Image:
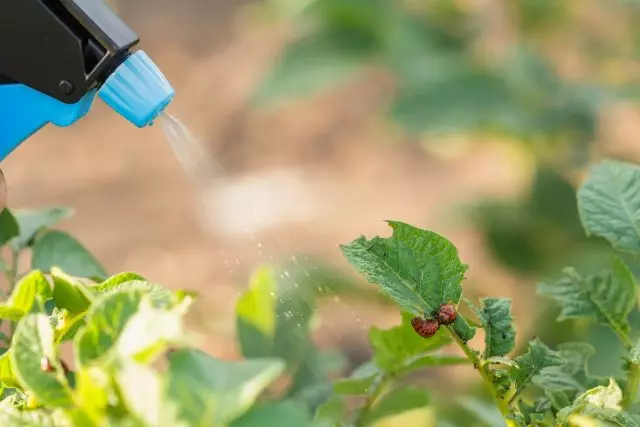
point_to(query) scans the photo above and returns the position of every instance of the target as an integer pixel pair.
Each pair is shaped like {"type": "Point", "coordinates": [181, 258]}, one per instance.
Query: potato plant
{"type": "Point", "coordinates": [85, 348]}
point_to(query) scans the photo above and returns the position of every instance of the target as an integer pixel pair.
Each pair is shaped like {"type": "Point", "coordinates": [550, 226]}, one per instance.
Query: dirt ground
{"type": "Point", "coordinates": [300, 179]}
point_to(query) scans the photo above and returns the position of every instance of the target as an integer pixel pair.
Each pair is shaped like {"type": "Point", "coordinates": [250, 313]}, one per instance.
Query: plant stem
{"type": "Point", "coordinates": [372, 399]}
{"type": "Point", "coordinates": [479, 364]}
{"type": "Point", "coordinates": [631, 388]}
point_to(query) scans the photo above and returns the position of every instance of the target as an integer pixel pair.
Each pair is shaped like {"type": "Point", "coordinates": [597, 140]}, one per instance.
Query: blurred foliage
{"type": "Point", "coordinates": [497, 68]}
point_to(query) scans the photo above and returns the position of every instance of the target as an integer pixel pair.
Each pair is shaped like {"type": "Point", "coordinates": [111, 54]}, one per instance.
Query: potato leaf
{"type": "Point", "coordinates": [537, 357]}
{"type": "Point", "coordinates": [497, 323]}
{"type": "Point", "coordinates": [418, 269]}
{"type": "Point", "coordinates": [606, 298]}
{"type": "Point", "coordinates": [609, 204]}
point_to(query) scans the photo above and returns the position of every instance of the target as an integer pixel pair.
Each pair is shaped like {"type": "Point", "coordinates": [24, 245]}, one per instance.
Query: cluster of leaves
{"type": "Point", "coordinates": [419, 270]}
{"type": "Point", "coordinates": [132, 363]}
{"type": "Point", "coordinates": [443, 83]}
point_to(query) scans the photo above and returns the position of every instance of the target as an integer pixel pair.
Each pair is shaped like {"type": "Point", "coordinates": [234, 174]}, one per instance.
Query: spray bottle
{"type": "Point", "coordinates": [57, 55]}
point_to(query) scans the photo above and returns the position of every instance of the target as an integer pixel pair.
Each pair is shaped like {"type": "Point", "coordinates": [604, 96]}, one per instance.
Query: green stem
{"type": "Point", "coordinates": [372, 399]}
{"type": "Point", "coordinates": [478, 363]}
{"type": "Point", "coordinates": [631, 388]}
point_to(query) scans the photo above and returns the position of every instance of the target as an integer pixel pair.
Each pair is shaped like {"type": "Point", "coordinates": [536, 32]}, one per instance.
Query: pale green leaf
{"type": "Point", "coordinates": [8, 226]}
{"type": "Point", "coordinates": [397, 402]}
{"type": "Point", "coordinates": [30, 287]}
{"type": "Point", "coordinates": [33, 341]}
{"type": "Point", "coordinates": [7, 376]}
{"type": "Point", "coordinates": [92, 392]}
{"type": "Point", "coordinates": [13, 417]}
{"type": "Point", "coordinates": [498, 326]}
{"type": "Point", "coordinates": [105, 321]}
{"type": "Point", "coordinates": [609, 204]}
{"type": "Point", "coordinates": [158, 294]}
{"type": "Point", "coordinates": [485, 412]}
{"type": "Point", "coordinates": [602, 401]}
{"type": "Point", "coordinates": [433, 361]}
{"type": "Point", "coordinates": [143, 393]}
{"type": "Point", "coordinates": [418, 269]}
{"type": "Point", "coordinates": [113, 282]}
{"type": "Point", "coordinates": [399, 345]}
{"type": "Point", "coordinates": [537, 357]}
{"type": "Point", "coordinates": [33, 221]}
{"type": "Point", "coordinates": [59, 249]}
{"type": "Point", "coordinates": [572, 375]}
{"type": "Point", "coordinates": [213, 392]}
{"type": "Point", "coordinates": [606, 298]}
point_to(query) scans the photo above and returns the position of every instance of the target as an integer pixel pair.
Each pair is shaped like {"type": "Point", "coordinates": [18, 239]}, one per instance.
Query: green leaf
{"type": "Point", "coordinates": [537, 357]}
{"type": "Point", "coordinates": [69, 293]}
{"type": "Point", "coordinates": [105, 320]}
{"type": "Point", "coordinates": [13, 417]}
{"type": "Point", "coordinates": [330, 413]}
{"type": "Point", "coordinates": [463, 329]}
{"type": "Point", "coordinates": [150, 331]}
{"type": "Point", "coordinates": [32, 221]}
{"type": "Point", "coordinates": [10, 313]}
{"type": "Point", "coordinates": [310, 64]}
{"type": "Point", "coordinates": [572, 375]}
{"type": "Point", "coordinates": [360, 380]}
{"type": "Point", "coordinates": [92, 392]}
{"type": "Point", "coordinates": [418, 269]}
{"type": "Point", "coordinates": [606, 298]}
{"type": "Point", "coordinates": [32, 286]}
{"type": "Point", "coordinates": [601, 402]}
{"type": "Point", "coordinates": [59, 249]}
{"type": "Point", "coordinates": [397, 402]}
{"type": "Point", "coordinates": [399, 345]}
{"type": "Point", "coordinates": [497, 323]}
{"type": "Point", "coordinates": [609, 204]}
{"type": "Point", "coordinates": [8, 227]}
{"type": "Point", "coordinates": [143, 393]}
{"type": "Point", "coordinates": [212, 392]}
{"type": "Point", "coordinates": [33, 341]}
{"type": "Point", "coordinates": [7, 376]}
{"type": "Point", "coordinates": [433, 361]}
{"type": "Point", "coordinates": [256, 314]}
{"type": "Point", "coordinates": [114, 282]}
{"type": "Point", "coordinates": [281, 414]}
{"type": "Point", "coordinates": [160, 295]}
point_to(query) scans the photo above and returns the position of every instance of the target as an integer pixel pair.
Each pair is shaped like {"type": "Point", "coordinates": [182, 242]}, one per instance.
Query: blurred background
{"type": "Point", "coordinates": [472, 118]}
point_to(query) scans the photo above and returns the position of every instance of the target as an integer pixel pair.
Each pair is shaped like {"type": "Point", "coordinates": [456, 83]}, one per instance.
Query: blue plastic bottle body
{"type": "Point", "coordinates": [24, 111]}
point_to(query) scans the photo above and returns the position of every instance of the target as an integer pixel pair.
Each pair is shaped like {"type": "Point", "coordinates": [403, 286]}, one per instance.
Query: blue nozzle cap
{"type": "Point", "coordinates": [137, 90]}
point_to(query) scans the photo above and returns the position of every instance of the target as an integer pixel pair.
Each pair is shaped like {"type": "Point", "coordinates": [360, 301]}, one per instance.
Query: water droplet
{"type": "Point", "coordinates": [286, 273]}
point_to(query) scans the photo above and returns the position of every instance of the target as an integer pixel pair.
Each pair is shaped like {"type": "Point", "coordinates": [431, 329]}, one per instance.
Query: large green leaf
{"type": "Point", "coordinates": [33, 341]}
{"type": "Point", "coordinates": [418, 269]}
{"type": "Point", "coordinates": [213, 392]}
{"type": "Point", "coordinates": [7, 375]}
{"type": "Point", "coordinates": [606, 298]}
{"type": "Point", "coordinates": [70, 293]}
{"type": "Point", "coordinates": [530, 364]}
{"type": "Point", "coordinates": [59, 249]}
{"type": "Point", "coordinates": [609, 204]}
{"type": "Point", "coordinates": [8, 227]}
{"type": "Point", "coordinates": [33, 221]}
{"type": "Point", "coordinates": [397, 347]}
{"type": "Point", "coordinates": [497, 323]}
{"type": "Point", "coordinates": [360, 380]}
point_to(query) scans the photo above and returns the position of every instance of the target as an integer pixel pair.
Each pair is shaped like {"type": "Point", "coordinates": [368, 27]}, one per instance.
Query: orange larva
{"type": "Point", "coordinates": [426, 328]}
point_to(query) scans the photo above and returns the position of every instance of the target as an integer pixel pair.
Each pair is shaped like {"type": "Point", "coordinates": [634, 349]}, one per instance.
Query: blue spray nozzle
{"type": "Point", "coordinates": [137, 90]}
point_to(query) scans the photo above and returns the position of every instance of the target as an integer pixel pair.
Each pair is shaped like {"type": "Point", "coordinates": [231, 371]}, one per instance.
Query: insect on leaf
{"type": "Point", "coordinates": [418, 269]}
